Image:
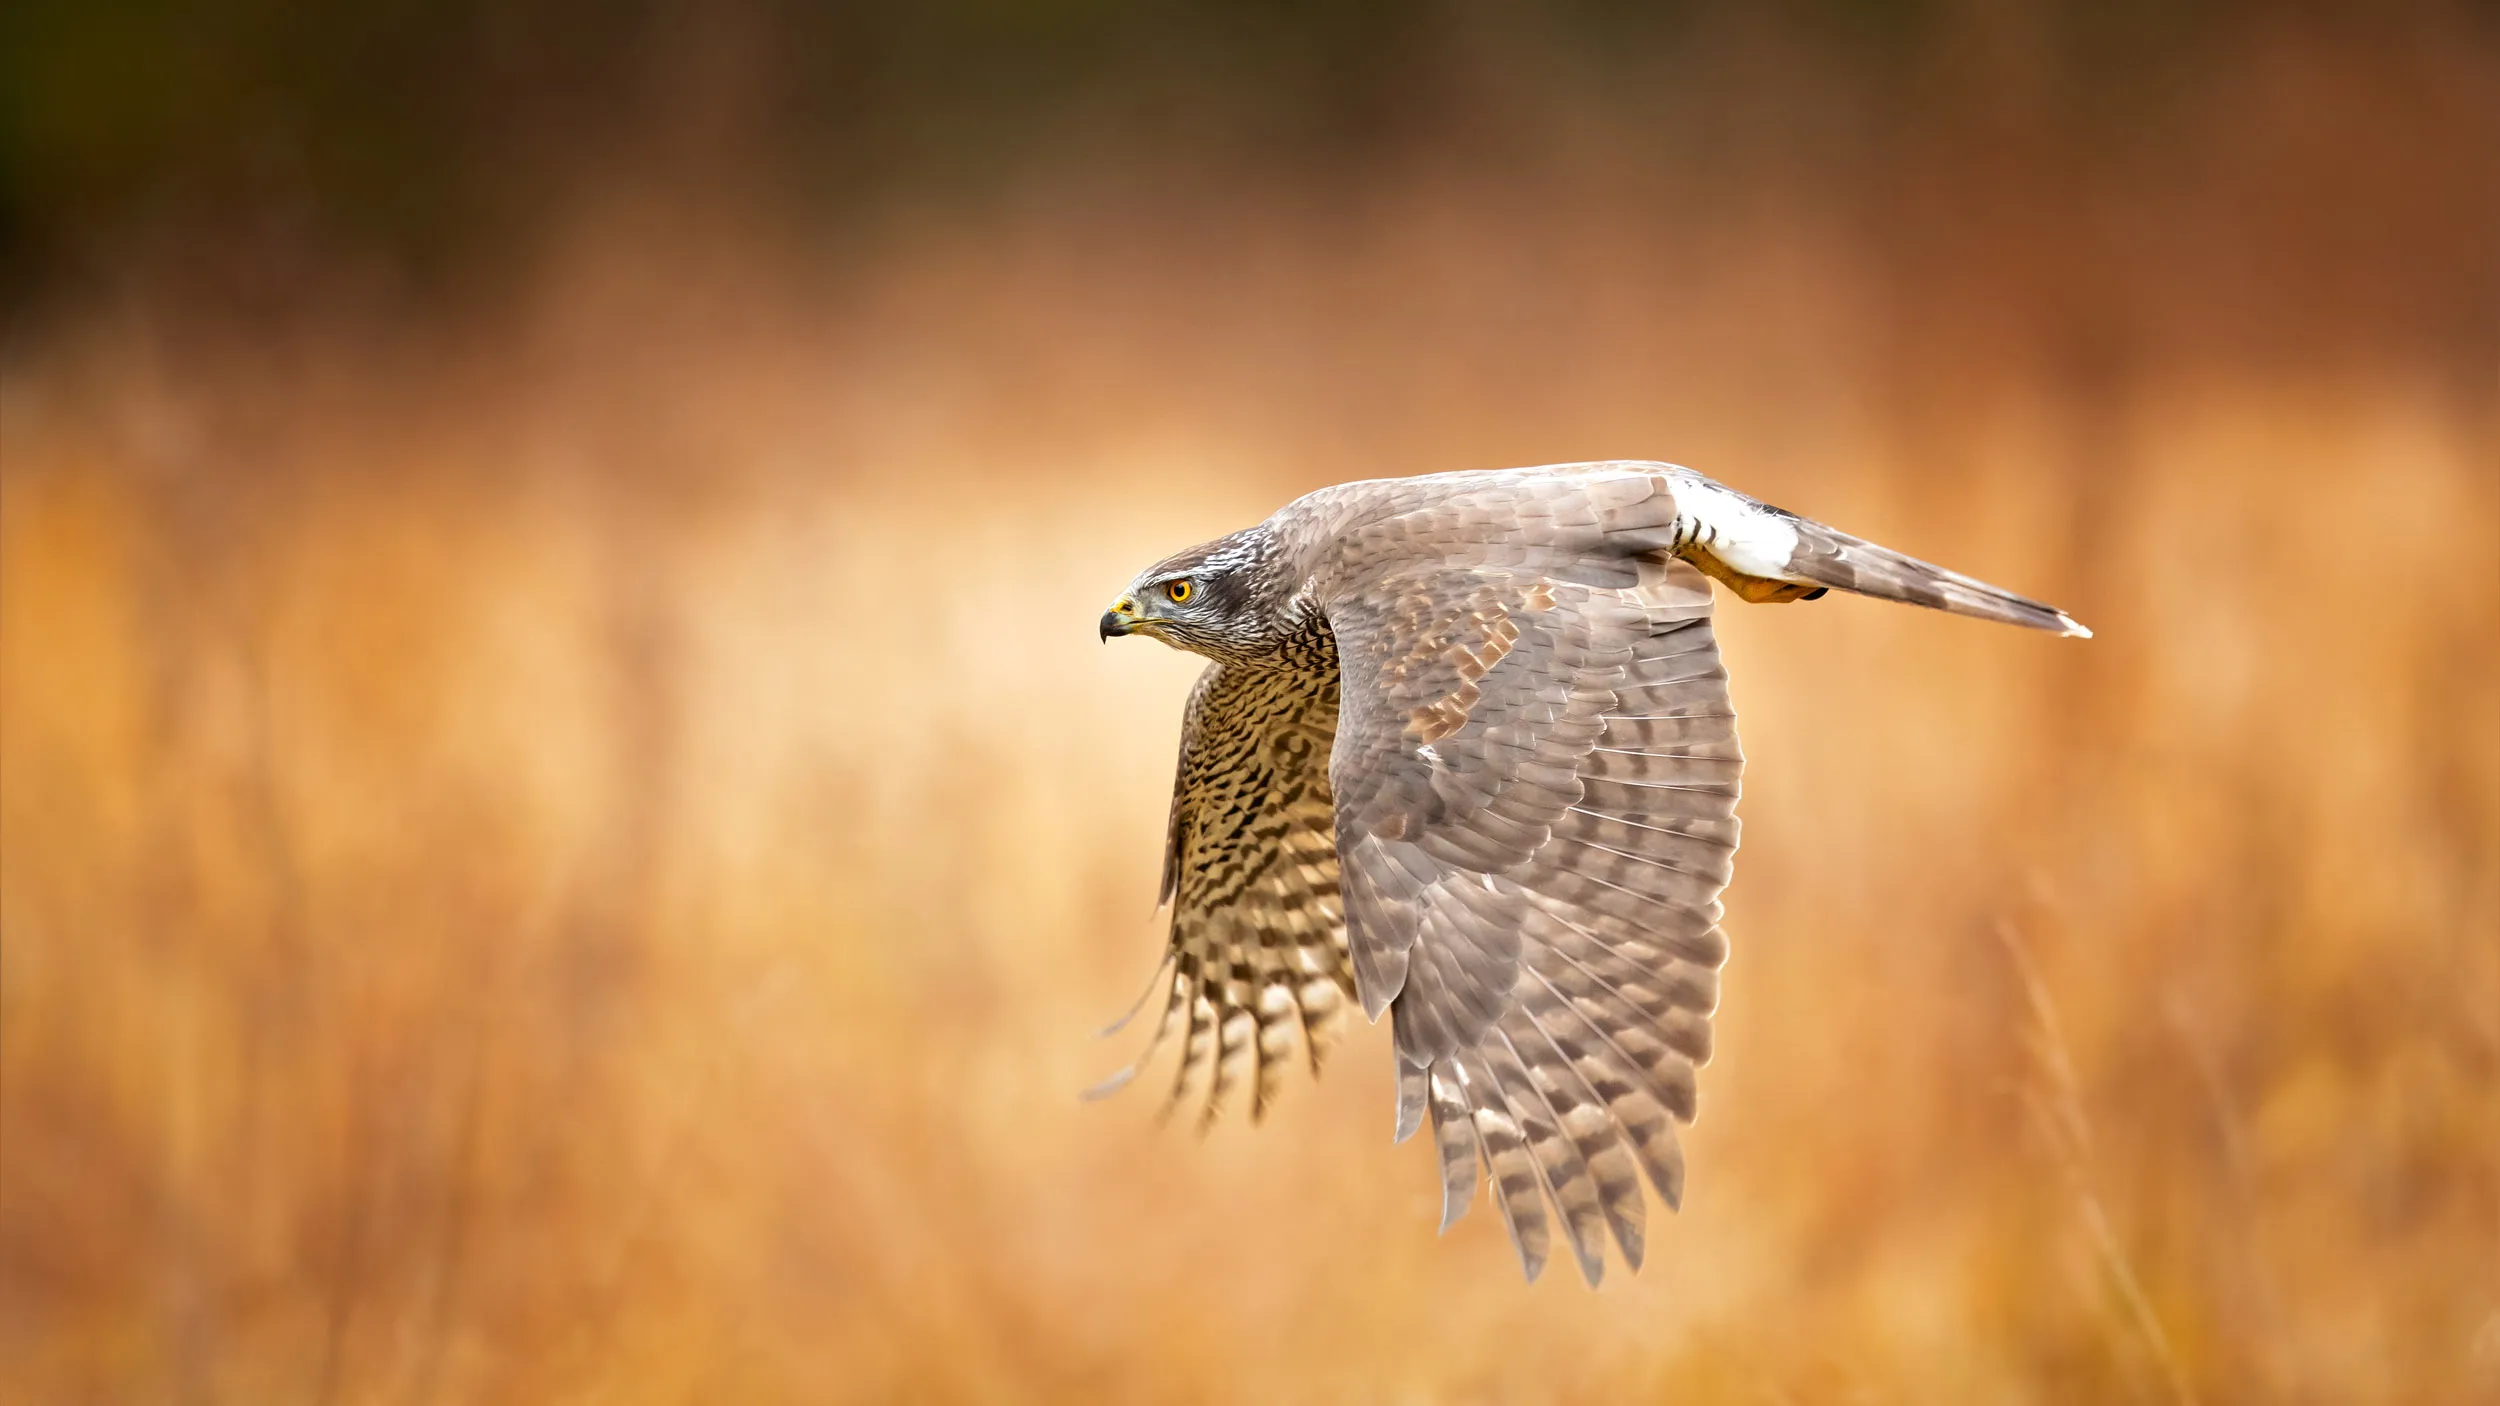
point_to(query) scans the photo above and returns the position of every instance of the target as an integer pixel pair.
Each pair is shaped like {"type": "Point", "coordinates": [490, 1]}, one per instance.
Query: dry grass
{"type": "Point", "coordinates": [578, 860]}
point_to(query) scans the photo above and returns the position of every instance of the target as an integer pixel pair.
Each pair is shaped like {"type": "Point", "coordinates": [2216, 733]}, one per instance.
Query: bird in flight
{"type": "Point", "coordinates": [1464, 754]}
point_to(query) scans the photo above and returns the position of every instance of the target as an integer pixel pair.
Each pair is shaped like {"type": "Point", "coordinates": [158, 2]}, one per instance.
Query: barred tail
{"type": "Point", "coordinates": [1768, 554]}
{"type": "Point", "coordinates": [1828, 557]}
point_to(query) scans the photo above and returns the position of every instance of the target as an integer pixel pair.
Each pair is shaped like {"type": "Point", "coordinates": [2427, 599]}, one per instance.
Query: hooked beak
{"type": "Point", "coordinates": [1120, 619]}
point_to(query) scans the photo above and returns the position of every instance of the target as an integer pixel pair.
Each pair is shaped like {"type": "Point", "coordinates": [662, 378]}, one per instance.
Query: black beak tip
{"type": "Point", "coordinates": [1112, 624]}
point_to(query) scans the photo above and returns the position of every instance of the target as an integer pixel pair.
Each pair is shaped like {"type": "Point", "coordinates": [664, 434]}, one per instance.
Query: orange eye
{"type": "Point", "coordinates": [1179, 591]}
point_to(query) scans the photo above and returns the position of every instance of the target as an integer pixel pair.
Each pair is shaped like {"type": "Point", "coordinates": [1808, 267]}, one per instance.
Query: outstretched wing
{"type": "Point", "coordinates": [1536, 783]}
{"type": "Point", "coordinates": [1532, 784]}
{"type": "Point", "coordinates": [1258, 947]}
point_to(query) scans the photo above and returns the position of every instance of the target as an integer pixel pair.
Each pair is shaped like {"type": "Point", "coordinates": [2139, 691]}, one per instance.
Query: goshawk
{"type": "Point", "coordinates": [1465, 755]}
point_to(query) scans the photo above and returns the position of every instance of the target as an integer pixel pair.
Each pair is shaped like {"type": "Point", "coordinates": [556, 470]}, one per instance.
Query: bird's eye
{"type": "Point", "coordinates": [1180, 590]}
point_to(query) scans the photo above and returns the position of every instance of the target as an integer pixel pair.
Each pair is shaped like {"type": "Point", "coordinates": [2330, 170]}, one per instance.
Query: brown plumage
{"type": "Point", "coordinates": [1465, 754]}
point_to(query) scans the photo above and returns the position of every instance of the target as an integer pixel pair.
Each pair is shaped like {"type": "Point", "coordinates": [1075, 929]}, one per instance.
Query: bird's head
{"type": "Point", "coordinates": [1211, 600]}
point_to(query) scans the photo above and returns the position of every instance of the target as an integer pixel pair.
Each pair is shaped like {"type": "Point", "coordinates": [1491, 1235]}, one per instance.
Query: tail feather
{"type": "Point", "coordinates": [1767, 554]}
{"type": "Point", "coordinates": [1829, 557]}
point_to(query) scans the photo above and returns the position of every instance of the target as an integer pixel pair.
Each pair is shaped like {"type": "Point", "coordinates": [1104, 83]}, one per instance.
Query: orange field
{"type": "Point", "coordinates": [571, 848]}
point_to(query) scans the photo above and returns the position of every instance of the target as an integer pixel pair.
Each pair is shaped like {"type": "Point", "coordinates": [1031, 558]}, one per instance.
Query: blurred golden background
{"type": "Point", "coordinates": [566, 832]}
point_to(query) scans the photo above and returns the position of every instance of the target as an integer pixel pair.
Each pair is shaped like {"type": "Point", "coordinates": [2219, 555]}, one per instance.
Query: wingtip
{"type": "Point", "coordinates": [1153, 980]}
{"type": "Point", "coordinates": [1633, 1247]}
{"type": "Point", "coordinates": [2072, 628]}
{"type": "Point", "coordinates": [1095, 1093]}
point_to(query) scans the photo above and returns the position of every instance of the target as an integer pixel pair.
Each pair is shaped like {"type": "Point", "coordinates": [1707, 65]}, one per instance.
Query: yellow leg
{"type": "Point", "coordinates": [1753, 590]}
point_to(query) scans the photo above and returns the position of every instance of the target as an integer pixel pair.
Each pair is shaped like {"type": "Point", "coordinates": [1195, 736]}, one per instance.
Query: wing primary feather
{"type": "Point", "coordinates": [1199, 1045]}
{"type": "Point", "coordinates": [1654, 1140]}
{"type": "Point", "coordinates": [1109, 1084]}
{"type": "Point", "coordinates": [1412, 1096]}
{"type": "Point", "coordinates": [1454, 1136]}
{"type": "Point", "coordinates": [1518, 1187]}
{"type": "Point", "coordinates": [1650, 899]}
{"type": "Point", "coordinates": [1559, 1161]}
{"type": "Point", "coordinates": [1588, 1118]}
{"type": "Point", "coordinates": [1154, 979]}
{"type": "Point", "coordinates": [1650, 860]}
{"type": "Point", "coordinates": [1235, 1024]}
{"type": "Point", "coordinates": [1713, 788]}
{"type": "Point", "coordinates": [1274, 1008]}
{"type": "Point", "coordinates": [1639, 825]}
{"type": "Point", "coordinates": [1164, 1026]}
{"type": "Point", "coordinates": [1322, 1003]}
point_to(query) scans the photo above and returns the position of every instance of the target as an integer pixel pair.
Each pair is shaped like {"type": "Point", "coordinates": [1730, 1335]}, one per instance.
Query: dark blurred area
{"type": "Point", "coordinates": [564, 827]}
{"type": "Point", "coordinates": [2276, 175]}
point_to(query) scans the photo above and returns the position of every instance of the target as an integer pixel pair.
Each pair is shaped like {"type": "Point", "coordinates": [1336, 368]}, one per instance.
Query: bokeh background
{"type": "Point", "coordinates": [566, 831]}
